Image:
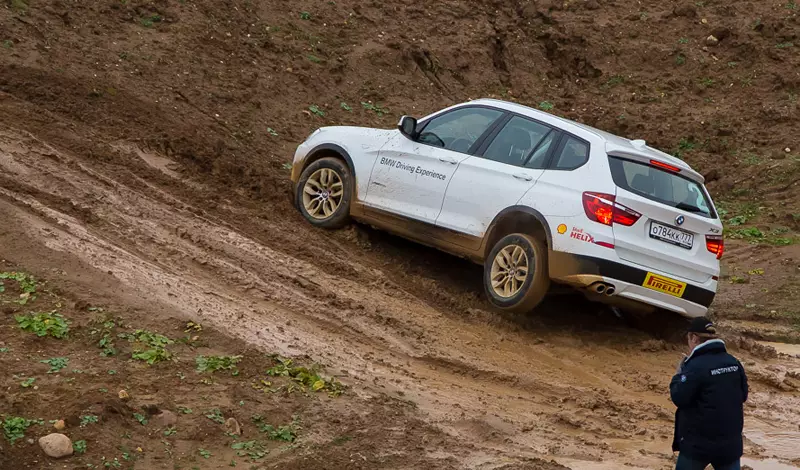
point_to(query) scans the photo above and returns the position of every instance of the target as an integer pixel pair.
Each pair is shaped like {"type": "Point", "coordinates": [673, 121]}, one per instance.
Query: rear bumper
{"type": "Point", "coordinates": [628, 281]}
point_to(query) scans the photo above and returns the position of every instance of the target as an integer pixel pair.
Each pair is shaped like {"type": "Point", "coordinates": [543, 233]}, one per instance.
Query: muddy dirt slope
{"type": "Point", "coordinates": [142, 156]}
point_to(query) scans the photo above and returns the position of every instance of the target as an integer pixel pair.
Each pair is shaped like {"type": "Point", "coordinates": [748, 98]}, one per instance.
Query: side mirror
{"type": "Point", "coordinates": [408, 127]}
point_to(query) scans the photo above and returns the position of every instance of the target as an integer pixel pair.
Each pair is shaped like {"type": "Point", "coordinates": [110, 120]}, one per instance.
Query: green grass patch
{"type": "Point", "coordinates": [546, 106]}
{"type": "Point", "coordinates": [56, 363]}
{"type": "Point", "coordinates": [148, 346]}
{"type": "Point", "coordinates": [287, 433]}
{"type": "Point", "coordinates": [44, 324]}
{"type": "Point", "coordinates": [307, 378]}
{"type": "Point", "coordinates": [215, 363]}
{"type": "Point", "coordinates": [380, 111]}
{"type": "Point", "coordinates": [14, 427]}
{"type": "Point", "coordinates": [27, 284]}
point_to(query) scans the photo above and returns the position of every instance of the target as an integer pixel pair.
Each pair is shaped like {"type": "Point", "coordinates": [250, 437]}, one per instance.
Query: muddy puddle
{"type": "Point", "coordinates": [792, 350]}
{"type": "Point", "coordinates": [769, 464]}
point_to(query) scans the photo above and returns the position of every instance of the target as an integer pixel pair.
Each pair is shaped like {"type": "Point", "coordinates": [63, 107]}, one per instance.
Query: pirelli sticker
{"type": "Point", "coordinates": [664, 284]}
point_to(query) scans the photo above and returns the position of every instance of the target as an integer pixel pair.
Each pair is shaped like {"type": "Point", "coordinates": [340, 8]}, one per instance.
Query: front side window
{"type": "Point", "coordinates": [515, 143]}
{"type": "Point", "coordinates": [660, 185]}
{"type": "Point", "coordinates": [458, 130]}
{"type": "Point", "coordinates": [573, 154]}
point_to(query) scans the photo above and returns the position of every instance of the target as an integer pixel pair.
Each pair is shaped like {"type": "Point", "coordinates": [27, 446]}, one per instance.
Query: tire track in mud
{"type": "Point", "coordinates": [500, 387]}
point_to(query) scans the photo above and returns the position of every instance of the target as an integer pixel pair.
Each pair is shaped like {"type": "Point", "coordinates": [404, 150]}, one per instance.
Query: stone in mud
{"type": "Point", "coordinates": [712, 40]}
{"type": "Point", "coordinates": [56, 445]}
{"type": "Point", "coordinates": [232, 426]}
{"type": "Point", "coordinates": [59, 425]}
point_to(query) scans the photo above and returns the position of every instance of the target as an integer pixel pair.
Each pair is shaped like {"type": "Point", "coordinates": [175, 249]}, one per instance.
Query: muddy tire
{"type": "Point", "coordinates": [515, 274]}
{"type": "Point", "coordinates": [324, 192]}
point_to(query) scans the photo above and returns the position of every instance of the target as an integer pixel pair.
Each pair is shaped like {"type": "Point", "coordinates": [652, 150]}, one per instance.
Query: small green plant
{"type": "Point", "coordinates": [314, 58]}
{"type": "Point", "coordinates": [791, 5]}
{"type": "Point", "coordinates": [287, 433]}
{"type": "Point", "coordinates": [215, 415]}
{"type": "Point", "coordinates": [148, 346]}
{"type": "Point", "coordinates": [707, 82]}
{"type": "Point", "coordinates": [251, 449]}
{"type": "Point", "coordinates": [28, 383]}
{"type": "Point", "coordinates": [88, 419]}
{"type": "Point", "coordinates": [307, 378]}
{"type": "Point", "coordinates": [373, 107]}
{"type": "Point", "coordinates": [4, 350]}
{"type": "Point", "coordinates": [756, 272]}
{"type": "Point", "coordinates": [614, 81]}
{"type": "Point", "coordinates": [316, 111]}
{"type": "Point", "coordinates": [739, 280]}
{"type": "Point", "coordinates": [751, 159]}
{"type": "Point", "coordinates": [142, 419]}
{"type": "Point", "coordinates": [184, 410]}
{"type": "Point", "coordinates": [79, 447]}
{"type": "Point", "coordinates": [204, 453]}
{"type": "Point", "coordinates": [215, 363]}
{"type": "Point", "coordinates": [56, 363]}
{"type": "Point", "coordinates": [345, 106]}
{"type": "Point", "coordinates": [170, 431]}
{"type": "Point", "coordinates": [272, 132]}
{"type": "Point", "coordinates": [112, 463]}
{"type": "Point", "coordinates": [27, 284]}
{"type": "Point", "coordinates": [19, 6]}
{"type": "Point", "coordinates": [684, 145]}
{"type": "Point", "coordinates": [732, 64]}
{"type": "Point", "coordinates": [738, 220]}
{"type": "Point", "coordinates": [44, 324]}
{"type": "Point", "coordinates": [149, 21]}
{"type": "Point", "coordinates": [680, 59]}
{"type": "Point", "coordinates": [304, 15]}
{"type": "Point", "coordinates": [14, 427]}
{"type": "Point", "coordinates": [784, 45]}
{"type": "Point", "coordinates": [546, 106]}
{"type": "Point", "coordinates": [8, 43]}
{"type": "Point", "coordinates": [683, 41]}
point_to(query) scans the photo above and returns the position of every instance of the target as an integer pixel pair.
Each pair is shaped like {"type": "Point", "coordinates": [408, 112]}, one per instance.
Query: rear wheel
{"type": "Point", "coordinates": [515, 273]}
{"type": "Point", "coordinates": [324, 192]}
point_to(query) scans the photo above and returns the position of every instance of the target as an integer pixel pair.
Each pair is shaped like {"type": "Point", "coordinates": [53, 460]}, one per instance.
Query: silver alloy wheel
{"type": "Point", "coordinates": [322, 193]}
{"type": "Point", "coordinates": [509, 271]}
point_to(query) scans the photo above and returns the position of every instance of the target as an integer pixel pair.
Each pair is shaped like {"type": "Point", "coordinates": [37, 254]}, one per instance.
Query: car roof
{"type": "Point", "coordinates": [615, 145]}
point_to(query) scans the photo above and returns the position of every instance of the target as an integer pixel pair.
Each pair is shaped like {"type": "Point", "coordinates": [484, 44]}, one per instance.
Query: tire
{"type": "Point", "coordinates": [317, 201]}
{"type": "Point", "coordinates": [514, 297]}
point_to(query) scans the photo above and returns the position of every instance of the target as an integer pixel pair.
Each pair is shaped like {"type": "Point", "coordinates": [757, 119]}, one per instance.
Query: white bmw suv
{"type": "Point", "coordinates": [532, 197]}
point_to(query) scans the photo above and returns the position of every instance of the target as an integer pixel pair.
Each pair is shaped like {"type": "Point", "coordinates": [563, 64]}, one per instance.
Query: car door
{"type": "Point", "coordinates": [503, 170]}
{"type": "Point", "coordinates": [409, 177]}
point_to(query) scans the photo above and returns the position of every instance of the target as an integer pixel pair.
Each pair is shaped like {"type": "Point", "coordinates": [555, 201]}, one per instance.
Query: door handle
{"type": "Point", "coordinates": [449, 160]}
{"type": "Point", "coordinates": [523, 176]}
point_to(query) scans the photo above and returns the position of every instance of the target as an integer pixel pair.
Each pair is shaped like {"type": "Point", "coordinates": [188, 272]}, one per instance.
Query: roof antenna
{"type": "Point", "coordinates": [639, 143]}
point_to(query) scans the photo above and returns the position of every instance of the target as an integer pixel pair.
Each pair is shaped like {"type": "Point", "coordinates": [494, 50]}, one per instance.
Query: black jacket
{"type": "Point", "coordinates": [709, 391]}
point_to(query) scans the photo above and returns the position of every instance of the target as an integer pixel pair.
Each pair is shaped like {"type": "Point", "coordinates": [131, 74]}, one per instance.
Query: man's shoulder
{"type": "Point", "coordinates": [711, 362]}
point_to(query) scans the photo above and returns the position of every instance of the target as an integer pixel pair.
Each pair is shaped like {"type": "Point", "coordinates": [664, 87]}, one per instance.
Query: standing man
{"type": "Point", "coordinates": [709, 390]}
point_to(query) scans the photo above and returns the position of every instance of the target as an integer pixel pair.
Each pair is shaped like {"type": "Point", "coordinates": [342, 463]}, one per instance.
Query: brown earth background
{"type": "Point", "coordinates": [143, 154]}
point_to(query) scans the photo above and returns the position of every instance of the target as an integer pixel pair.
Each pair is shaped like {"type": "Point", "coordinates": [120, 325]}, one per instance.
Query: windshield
{"type": "Point", "coordinates": [661, 186]}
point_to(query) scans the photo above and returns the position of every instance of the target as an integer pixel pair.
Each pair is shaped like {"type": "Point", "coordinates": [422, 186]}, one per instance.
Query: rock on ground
{"type": "Point", "coordinates": [56, 445]}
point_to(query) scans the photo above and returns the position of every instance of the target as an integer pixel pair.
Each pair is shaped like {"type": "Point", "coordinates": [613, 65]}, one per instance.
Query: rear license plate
{"type": "Point", "coordinates": [664, 284]}
{"type": "Point", "coordinates": [671, 235]}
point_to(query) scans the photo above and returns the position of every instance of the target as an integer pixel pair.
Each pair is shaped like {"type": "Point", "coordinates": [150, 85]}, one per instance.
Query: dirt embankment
{"type": "Point", "coordinates": [141, 169]}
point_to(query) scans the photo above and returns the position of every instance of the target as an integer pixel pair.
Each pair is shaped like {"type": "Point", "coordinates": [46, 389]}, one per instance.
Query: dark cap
{"type": "Point", "coordinates": [702, 326]}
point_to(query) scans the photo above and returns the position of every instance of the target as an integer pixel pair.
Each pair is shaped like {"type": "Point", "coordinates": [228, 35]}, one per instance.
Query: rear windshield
{"type": "Point", "coordinates": [661, 186]}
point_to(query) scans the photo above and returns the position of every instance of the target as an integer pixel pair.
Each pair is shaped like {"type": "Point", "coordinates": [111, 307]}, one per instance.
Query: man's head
{"type": "Point", "coordinates": [700, 330]}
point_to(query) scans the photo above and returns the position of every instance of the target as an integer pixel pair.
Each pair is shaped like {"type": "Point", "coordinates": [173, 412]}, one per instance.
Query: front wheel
{"type": "Point", "coordinates": [515, 273]}
{"type": "Point", "coordinates": [324, 192]}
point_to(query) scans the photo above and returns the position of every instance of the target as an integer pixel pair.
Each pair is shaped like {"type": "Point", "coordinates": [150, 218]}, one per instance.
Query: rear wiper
{"type": "Point", "coordinates": [689, 208]}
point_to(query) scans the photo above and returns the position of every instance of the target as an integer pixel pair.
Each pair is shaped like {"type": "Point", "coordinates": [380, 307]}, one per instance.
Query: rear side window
{"type": "Point", "coordinates": [661, 186]}
{"type": "Point", "coordinates": [516, 141]}
{"type": "Point", "coordinates": [574, 153]}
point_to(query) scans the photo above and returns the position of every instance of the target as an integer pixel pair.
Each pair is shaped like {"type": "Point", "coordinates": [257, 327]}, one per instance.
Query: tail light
{"type": "Point", "coordinates": [715, 244]}
{"type": "Point", "coordinates": [602, 208]}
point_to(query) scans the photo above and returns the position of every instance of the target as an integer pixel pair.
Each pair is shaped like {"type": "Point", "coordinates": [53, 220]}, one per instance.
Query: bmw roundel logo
{"type": "Point", "coordinates": [679, 220]}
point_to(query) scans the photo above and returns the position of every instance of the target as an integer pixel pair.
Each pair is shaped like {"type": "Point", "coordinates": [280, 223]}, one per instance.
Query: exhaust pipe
{"type": "Point", "coordinates": [599, 288]}
{"type": "Point", "coordinates": [610, 290]}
